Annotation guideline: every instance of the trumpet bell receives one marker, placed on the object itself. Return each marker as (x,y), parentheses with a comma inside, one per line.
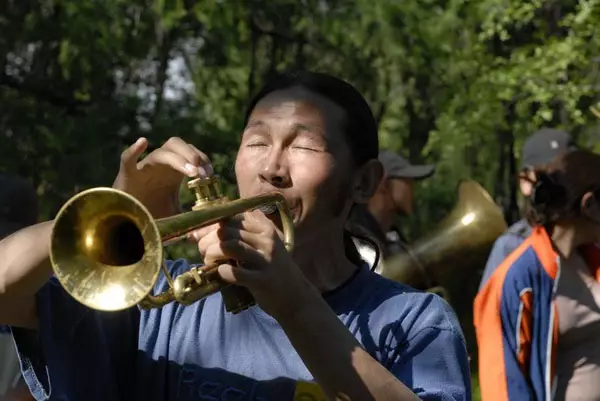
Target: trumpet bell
(106,250)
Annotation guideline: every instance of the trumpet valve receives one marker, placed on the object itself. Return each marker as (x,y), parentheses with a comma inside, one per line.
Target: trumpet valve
(194,285)
(206,191)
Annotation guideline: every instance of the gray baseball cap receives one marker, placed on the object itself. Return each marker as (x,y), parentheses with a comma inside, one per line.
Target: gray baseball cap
(544,145)
(396,166)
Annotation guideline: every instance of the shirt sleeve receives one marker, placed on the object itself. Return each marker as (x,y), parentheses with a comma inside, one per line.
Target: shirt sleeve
(433,361)
(76,353)
(503,247)
(504,328)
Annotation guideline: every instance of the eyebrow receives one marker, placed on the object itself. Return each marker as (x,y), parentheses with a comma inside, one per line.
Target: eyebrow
(295,128)
(255,123)
(307,128)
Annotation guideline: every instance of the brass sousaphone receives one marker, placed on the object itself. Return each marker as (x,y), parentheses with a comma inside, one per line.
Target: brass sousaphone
(107,250)
(443,259)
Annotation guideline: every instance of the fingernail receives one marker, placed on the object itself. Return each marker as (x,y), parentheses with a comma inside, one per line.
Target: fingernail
(206,170)
(209,169)
(191,169)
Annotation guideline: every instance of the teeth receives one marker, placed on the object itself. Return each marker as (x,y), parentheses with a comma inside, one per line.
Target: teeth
(268,209)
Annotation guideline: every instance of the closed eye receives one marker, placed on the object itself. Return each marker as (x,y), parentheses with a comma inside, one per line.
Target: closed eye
(306,148)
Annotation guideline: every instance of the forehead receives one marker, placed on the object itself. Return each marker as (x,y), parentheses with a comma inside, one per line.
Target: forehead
(299,105)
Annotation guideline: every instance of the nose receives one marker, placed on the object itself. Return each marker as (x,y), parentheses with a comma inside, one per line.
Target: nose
(276,170)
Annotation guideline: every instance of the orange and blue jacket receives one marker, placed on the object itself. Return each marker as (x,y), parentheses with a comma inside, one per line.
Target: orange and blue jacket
(516,322)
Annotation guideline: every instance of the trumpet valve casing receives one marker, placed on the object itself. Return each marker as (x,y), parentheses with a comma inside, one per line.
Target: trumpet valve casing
(207,191)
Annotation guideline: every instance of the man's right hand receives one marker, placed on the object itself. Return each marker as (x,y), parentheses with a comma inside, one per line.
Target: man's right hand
(155,180)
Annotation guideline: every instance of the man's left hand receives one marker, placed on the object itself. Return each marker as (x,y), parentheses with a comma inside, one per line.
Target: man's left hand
(264,266)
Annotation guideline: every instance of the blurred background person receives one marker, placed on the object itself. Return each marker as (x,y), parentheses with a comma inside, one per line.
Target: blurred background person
(537,316)
(18,209)
(394,198)
(539,150)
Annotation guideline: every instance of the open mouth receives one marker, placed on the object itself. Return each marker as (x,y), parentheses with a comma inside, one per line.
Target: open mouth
(272,213)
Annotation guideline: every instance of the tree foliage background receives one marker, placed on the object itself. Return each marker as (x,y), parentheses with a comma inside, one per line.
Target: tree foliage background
(457,83)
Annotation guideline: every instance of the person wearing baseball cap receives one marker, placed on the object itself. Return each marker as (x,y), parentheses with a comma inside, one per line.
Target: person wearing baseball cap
(18,209)
(394,196)
(539,149)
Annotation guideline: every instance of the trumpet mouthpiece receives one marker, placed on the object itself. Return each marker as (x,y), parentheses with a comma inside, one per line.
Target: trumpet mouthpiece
(268,209)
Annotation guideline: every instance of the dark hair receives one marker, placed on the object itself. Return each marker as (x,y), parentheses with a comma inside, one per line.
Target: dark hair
(360,125)
(560,186)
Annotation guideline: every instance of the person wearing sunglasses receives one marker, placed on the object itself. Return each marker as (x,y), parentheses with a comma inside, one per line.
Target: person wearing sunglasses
(537,316)
(539,149)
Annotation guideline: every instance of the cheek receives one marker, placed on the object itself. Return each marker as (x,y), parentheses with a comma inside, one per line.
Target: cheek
(400,192)
(319,182)
(525,187)
(246,169)
(408,195)
(309,179)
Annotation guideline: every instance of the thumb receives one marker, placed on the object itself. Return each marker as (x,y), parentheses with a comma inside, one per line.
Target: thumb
(131,155)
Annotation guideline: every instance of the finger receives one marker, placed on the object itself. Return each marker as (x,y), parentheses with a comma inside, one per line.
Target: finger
(206,164)
(193,156)
(253,239)
(206,241)
(214,255)
(219,252)
(233,222)
(200,233)
(258,215)
(242,252)
(239,222)
(191,238)
(262,223)
(236,275)
(131,155)
(242,222)
(171,159)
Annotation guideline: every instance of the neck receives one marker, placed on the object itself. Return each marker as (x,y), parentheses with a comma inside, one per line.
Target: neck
(383,217)
(566,240)
(323,260)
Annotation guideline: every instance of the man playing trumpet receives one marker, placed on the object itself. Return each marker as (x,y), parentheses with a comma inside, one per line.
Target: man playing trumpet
(325,327)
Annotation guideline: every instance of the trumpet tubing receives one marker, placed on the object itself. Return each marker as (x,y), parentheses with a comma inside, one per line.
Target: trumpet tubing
(107,250)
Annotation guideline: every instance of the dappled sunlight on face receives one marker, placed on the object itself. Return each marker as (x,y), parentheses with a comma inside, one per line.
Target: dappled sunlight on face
(294,143)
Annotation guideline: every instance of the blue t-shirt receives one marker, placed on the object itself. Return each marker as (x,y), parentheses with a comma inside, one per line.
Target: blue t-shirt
(201,352)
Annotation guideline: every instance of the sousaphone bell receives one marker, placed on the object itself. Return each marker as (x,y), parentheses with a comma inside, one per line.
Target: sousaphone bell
(442,260)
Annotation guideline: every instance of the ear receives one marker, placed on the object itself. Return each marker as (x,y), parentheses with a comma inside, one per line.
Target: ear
(366,181)
(590,207)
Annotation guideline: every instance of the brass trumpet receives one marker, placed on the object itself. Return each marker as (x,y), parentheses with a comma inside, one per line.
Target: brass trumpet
(107,250)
